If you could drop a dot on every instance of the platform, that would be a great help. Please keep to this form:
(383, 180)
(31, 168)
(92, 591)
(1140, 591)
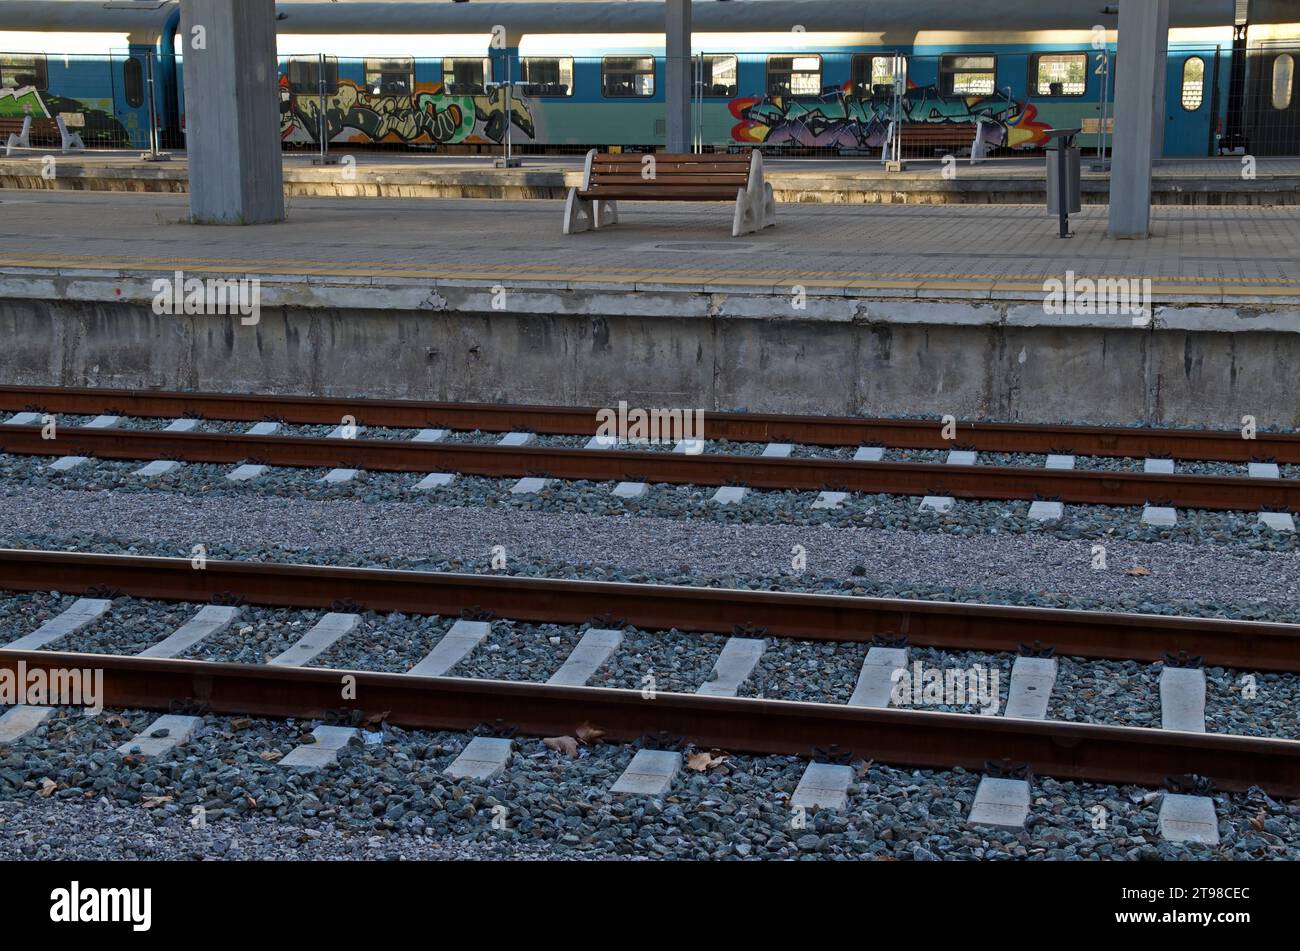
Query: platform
(379, 174)
(902, 309)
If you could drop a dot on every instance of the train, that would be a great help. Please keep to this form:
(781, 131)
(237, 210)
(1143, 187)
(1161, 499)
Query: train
(790, 76)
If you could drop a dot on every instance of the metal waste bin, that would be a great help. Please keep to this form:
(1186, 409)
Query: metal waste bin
(1064, 168)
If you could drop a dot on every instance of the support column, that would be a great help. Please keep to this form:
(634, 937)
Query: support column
(1161, 103)
(677, 74)
(232, 111)
(1135, 116)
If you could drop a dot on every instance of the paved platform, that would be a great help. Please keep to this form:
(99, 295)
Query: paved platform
(1208, 181)
(848, 309)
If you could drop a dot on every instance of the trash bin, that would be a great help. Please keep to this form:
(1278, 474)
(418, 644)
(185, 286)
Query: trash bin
(1064, 139)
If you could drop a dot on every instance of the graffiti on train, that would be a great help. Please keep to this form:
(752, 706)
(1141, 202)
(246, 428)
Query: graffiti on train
(841, 119)
(91, 118)
(426, 117)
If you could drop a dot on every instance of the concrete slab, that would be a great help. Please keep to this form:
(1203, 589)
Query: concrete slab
(1182, 699)
(595, 647)
(463, 637)
(1263, 470)
(23, 419)
(1040, 511)
(777, 450)
(937, 503)
(339, 476)
(1055, 461)
(1188, 819)
(517, 439)
(691, 447)
(651, 773)
(730, 495)
(961, 457)
(739, 657)
(175, 730)
(631, 490)
(67, 463)
(344, 431)
(103, 422)
(830, 500)
(319, 639)
(823, 786)
(268, 428)
(601, 442)
(1158, 466)
(210, 619)
(1278, 521)
(246, 472)
(869, 454)
(158, 467)
(483, 758)
(329, 741)
(430, 435)
(18, 721)
(1000, 802)
(181, 426)
(1160, 516)
(435, 480)
(876, 679)
(531, 485)
(82, 612)
(1032, 680)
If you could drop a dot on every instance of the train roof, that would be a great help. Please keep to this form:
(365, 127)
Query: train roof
(637, 16)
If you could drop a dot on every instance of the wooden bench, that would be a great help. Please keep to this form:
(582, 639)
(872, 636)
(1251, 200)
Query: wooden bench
(608, 179)
(945, 135)
(28, 132)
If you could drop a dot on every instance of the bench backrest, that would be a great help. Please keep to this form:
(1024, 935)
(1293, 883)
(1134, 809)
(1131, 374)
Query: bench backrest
(724, 170)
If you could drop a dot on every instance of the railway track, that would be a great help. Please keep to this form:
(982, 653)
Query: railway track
(1269, 494)
(904, 737)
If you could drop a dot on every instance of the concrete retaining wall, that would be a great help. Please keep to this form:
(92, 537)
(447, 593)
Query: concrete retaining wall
(675, 349)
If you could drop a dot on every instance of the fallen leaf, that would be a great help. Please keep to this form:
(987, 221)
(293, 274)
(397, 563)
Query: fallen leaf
(377, 718)
(702, 761)
(562, 744)
(863, 768)
(152, 802)
(1137, 571)
(115, 719)
(47, 787)
(1257, 821)
(589, 735)
(250, 800)
(271, 755)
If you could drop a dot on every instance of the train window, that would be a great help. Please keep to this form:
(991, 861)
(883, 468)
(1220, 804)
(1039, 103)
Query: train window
(874, 75)
(133, 81)
(305, 75)
(1059, 74)
(962, 75)
(466, 77)
(794, 75)
(715, 75)
(1283, 80)
(1193, 83)
(547, 76)
(390, 77)
(23, 69)
(627, 76)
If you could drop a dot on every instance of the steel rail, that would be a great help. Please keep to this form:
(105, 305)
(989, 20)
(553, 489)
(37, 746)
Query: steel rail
(904, 737)
(1136, 442)
(1077, 486)
(1247, 645)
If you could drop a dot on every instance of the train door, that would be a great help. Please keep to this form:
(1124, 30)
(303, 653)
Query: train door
(1273, 111)
(130, 72)
(1190, 103)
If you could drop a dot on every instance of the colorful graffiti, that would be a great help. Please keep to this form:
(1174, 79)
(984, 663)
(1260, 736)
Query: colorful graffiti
(427, 117)
(95, 125)
(841, 119)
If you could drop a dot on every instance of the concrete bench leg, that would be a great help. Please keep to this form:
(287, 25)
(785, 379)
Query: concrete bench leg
(22, 140)
(749, 214)
(69, 141)
(578, 214)
(606, 214)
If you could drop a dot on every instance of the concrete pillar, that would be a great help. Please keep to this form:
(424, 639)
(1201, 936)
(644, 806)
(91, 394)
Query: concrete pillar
(1135, 116)
(677, 74)
(1161, 103)
(232, 111)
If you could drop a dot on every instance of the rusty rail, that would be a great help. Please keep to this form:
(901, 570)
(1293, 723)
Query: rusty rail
(1247, 645)
(1077, 486)
(1135, 442)
(903, 737)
